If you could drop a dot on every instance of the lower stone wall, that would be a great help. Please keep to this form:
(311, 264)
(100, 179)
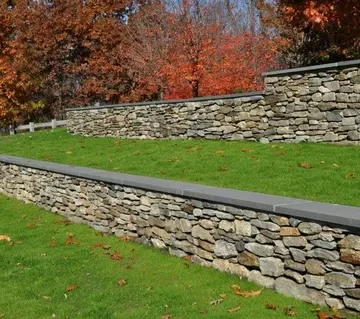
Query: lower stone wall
(310, 261)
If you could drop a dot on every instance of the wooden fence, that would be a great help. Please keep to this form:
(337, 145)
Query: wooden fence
(32, 126)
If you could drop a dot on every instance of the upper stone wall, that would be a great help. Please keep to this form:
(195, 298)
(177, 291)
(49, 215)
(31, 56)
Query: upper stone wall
(315, 104)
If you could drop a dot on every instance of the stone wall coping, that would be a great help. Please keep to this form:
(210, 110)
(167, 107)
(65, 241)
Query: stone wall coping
(313, 68)
(292, 207)
(250, 96)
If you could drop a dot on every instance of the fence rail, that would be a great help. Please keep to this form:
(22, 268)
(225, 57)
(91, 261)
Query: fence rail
(32, 126)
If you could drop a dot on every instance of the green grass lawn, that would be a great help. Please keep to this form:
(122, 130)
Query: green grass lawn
(38, 268)
(319, 172)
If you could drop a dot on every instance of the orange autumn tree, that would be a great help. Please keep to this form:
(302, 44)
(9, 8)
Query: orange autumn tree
(207, 57)
(320, 30)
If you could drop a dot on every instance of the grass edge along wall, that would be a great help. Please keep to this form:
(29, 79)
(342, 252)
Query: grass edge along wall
(315, 257)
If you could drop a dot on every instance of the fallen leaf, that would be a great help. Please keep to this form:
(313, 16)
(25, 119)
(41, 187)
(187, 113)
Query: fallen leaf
(5, 238)
(116, 256)
(247, 150)
(245, 294)
(103, 246)
(122, 282)
(271, 306)
(149, 288)
(223, 169)
(47, 158)
(220, 152)
(46, 297)
(306, 165)
(324, 315)
(216, 302)
(53, 244)
(234, 309)
(289, 311)
(322, 162)
(2, 315)
(223, 296)
(124, 238)
(71, 240)
(72, 287)
(350, 175)
(281, 153)
(166, 316)
(30, 225)
(187, 258)
(336, 165)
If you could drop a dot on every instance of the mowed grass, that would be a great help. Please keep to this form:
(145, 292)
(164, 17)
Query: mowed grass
(38, 268)
(320, 172)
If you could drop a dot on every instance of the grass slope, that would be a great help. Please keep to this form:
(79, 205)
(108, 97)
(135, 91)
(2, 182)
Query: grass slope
(319, 172)
(37, 267)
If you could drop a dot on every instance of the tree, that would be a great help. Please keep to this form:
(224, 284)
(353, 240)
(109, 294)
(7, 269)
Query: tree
(320, 31)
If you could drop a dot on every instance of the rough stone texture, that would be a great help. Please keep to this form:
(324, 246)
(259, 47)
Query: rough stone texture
(211, 234)
(314, 106)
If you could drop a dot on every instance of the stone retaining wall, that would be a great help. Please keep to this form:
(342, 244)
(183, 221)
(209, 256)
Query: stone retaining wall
(238, 232)
(315, 104)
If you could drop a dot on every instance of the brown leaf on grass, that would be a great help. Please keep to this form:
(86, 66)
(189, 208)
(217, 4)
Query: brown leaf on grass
(271, 306)
(216, 302)
(46, 297)
(124, 238)
(64, 222)
(72, 287)
(350, 175)
(149, 288)
(204, 311)
(336, 165)
(324, 315)
(53, 244)
(116, 256)
(71, 240)
(2, 315)
(122, 282)
(289, 311)
(103, 246)
(30, 225)
(166, 316)
(245, 294)
(281, 153)
(187, 258)
(223, 169)
(306, 165)
(234, 309)
(246, 150)
(223, 296)
(47, 158)
(116, 143)
(220, 152)
(137, 153)
(5, 238)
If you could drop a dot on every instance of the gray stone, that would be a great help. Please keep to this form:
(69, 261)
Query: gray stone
(352, 303)
(242, 228)
(199, 261)
(294, 275)
(289, 263)
(342, 267)
(226, 266)
(295, 241)
(271, 266)
(324, 244)
(256, 277)
(334, 303)
(265, 225)
(199, 232)
(317, 282)
(248, 259)
(334, 291)
(240, 246)
(332, 86)
(354, 293)
(315, 267)
(227, 226)
(350, 242)
(225, 249)
(309, 228)
(260, 250)
(340, 280)
(298, 255)
(324, 254)
(290, 288)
